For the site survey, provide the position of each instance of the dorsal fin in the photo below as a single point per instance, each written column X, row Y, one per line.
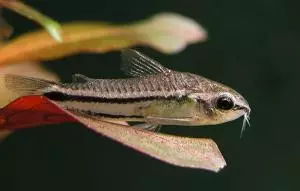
column 79, row 78
column 137, row 64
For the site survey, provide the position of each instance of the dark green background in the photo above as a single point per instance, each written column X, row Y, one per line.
column 253, row 47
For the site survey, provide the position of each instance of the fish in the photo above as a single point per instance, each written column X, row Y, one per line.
column 150, row 94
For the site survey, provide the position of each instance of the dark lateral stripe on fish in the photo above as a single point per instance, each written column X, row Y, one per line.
column 59, row 96
column 105, row 115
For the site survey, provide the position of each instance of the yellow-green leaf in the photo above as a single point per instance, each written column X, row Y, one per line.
column 166, row 32
column 52, row 26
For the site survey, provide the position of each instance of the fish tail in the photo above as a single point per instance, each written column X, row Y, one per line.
column 26, row 85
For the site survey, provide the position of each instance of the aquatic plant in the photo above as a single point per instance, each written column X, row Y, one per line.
column 166, row 32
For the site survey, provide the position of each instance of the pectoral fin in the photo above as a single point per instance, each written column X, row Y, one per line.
column 148, row 126
column 168, row 120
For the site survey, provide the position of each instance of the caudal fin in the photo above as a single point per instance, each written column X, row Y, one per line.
column 23, row 85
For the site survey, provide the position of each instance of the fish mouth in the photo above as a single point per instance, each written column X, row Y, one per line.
column 246, row 121
column 244, row 108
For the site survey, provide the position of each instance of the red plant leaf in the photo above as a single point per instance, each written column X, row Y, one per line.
column 31, row 111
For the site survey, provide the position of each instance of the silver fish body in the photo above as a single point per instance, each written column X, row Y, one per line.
column 153, row 94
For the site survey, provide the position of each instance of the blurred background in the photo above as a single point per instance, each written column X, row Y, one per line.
column 252, row 47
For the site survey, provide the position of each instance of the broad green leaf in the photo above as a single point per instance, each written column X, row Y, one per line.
column 166, row 32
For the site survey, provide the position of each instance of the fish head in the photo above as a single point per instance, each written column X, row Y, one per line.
column 218, row 103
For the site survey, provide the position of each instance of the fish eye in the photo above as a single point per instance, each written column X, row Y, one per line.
column 224, row 103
